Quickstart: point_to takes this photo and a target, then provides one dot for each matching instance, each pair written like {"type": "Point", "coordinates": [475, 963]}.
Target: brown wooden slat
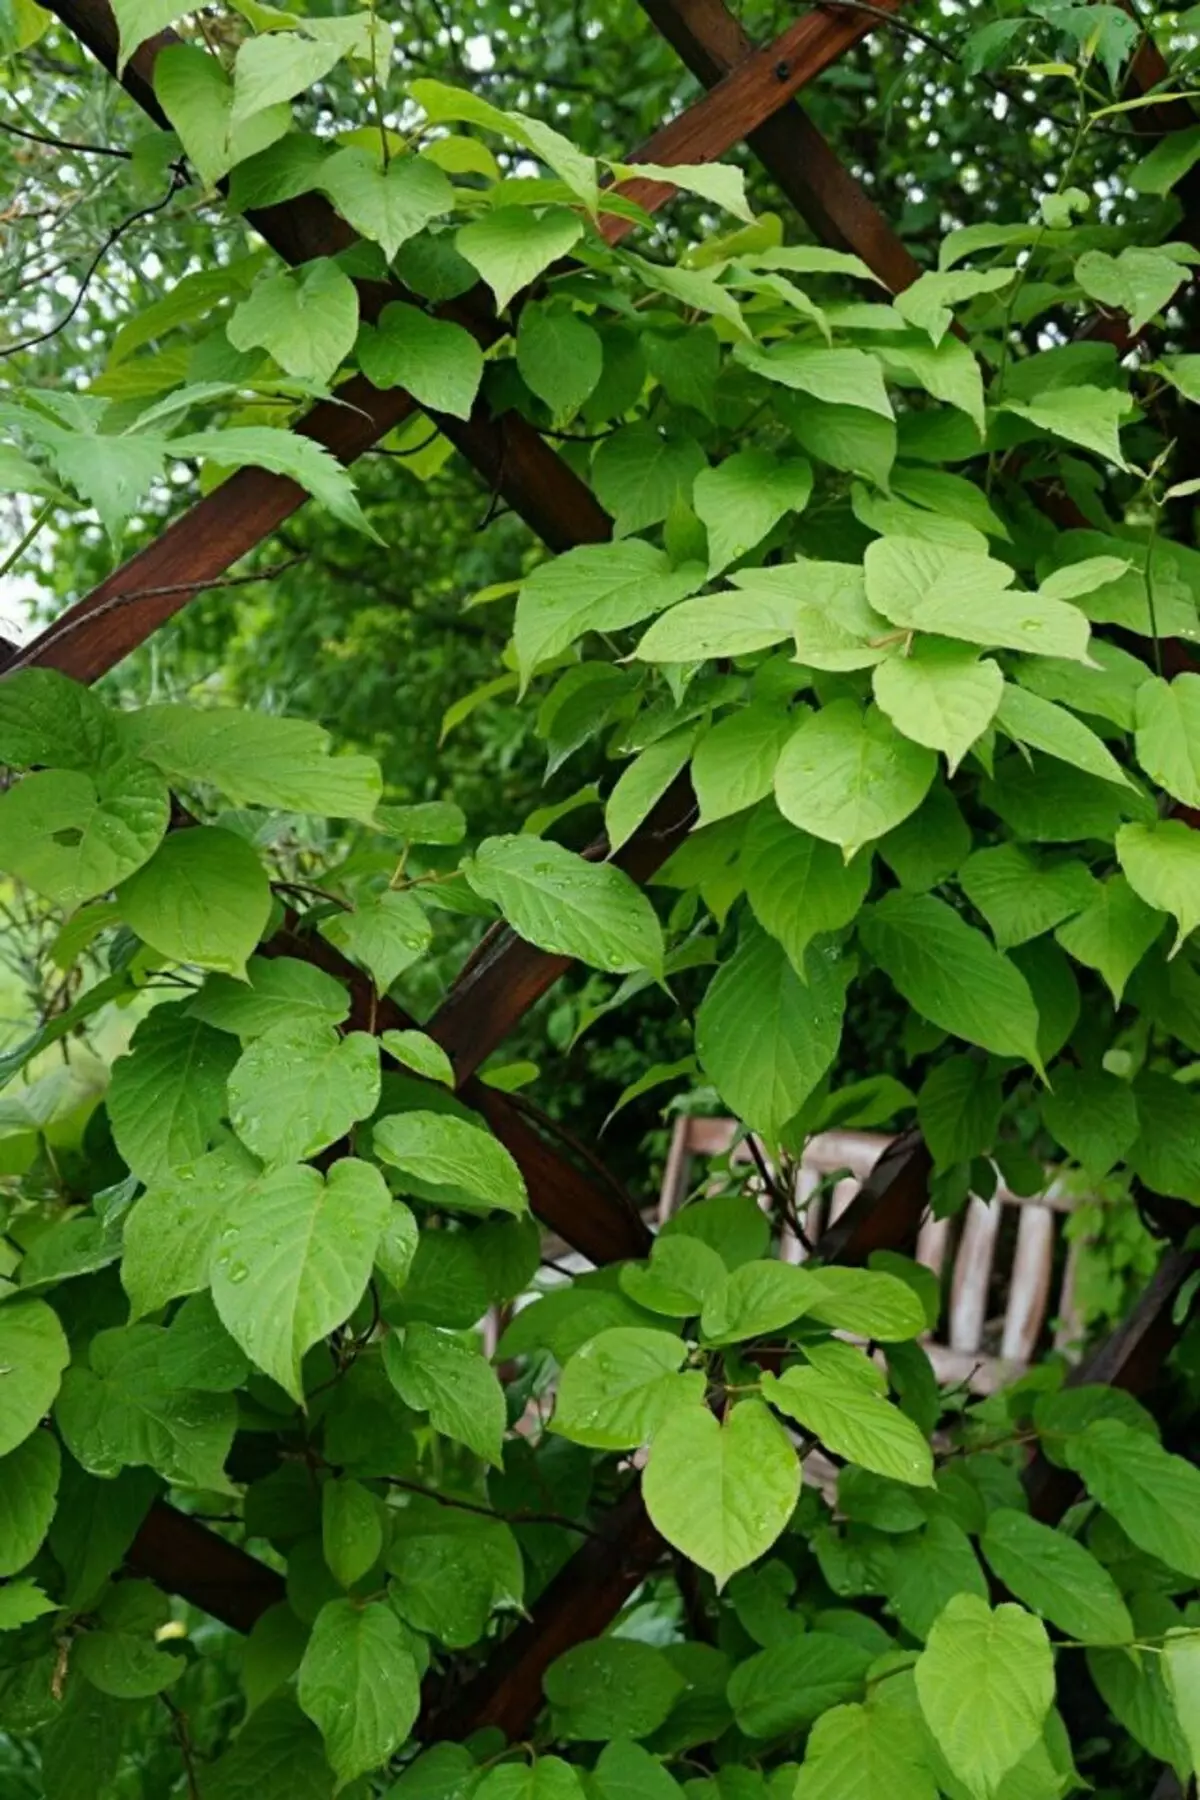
{"type": "Point", "coordinates": [186, 1558]}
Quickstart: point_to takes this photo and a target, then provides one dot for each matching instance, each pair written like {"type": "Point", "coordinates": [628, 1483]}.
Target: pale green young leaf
{"type": "Point", "coordinates": [798, 885]}
{"type": "Point", "coordinates": [385, 934]}
{"type": "Point", "coordinates": [138, 20]}
{"type": "Point", "coordinates": [510, 246]}
{"type": "Point", "coordinates": [436, 1373]}
{"type": "Point", "coordinates": [1162, 865]}
{"type": "Point", "coordinates": [170, 1233]}
{"type": "Point", "coordinates": [853, 1423]}
{"type": "Point", "coordinates": [450, 1162]}
{"type": "Point", "coordinates": [868, 1303]}
{"type": "Point", "coordinates": [1041, 725]}
{"type": "Point", "coordinates": [1092, 1114]}
{"type": "Point", "coordinates": [28, 1493]}
{"type": "Point", "coordinates": [1153, 1495]}
{"type": "Point", "coordinates": [302, 459]}
{"type": "Point", "coordinates": [294, 1259]}
{"type": "Point", "coordinates": [567, 905]}
{"type": "Point", "coordinates": [725, 624]}
{"type": "Point", "coordinates": [734, 763]}
{"type": "Point", "coordinates": [1112, 934]}
{"type": "Point", "coordinates": [924, 587]}
{"type": "Point", "coordinates": [560, 356]}
{"type": "Point", "coordinates": [573, 166]}
{"type": "Point", "coordinates": [72, 836]}
{"type": "Point", "coordinates": [1055, 1577]}
{"type": "Point", "coordinates": [1168, 735]}
{"type": "Point", "coordinates": [198, 97]}
{"type": "Point", "coordinates": [619, 1387]}
{"type": "Point", "coordinates": [359, 1684]}
{"type": "Point", "coordinates": [644, 781]}
{"type": "Point", "coordinates": [853, 1753]}
{"type": "Point", "coordinates": [417, 1051]}
{"type": "Point", "coordinates": [744, 497]}
{"type": "Point", "coordinates": [439, 363]}
{"type": "Point", "coordinates": [951, 975]}
{"type": "Point", "coordinates": [299, 1088]}
{"type": "Point", "coordinates": [1138, 281]}
{"type": "Point", "coordinates": [721, 1491]}
{"type": "Point", "coordinates": [597, 587]}
{"type": "Point", "coordinates": [948, 371]}
{"type": "Point", "coordinates": [759, 1297]}
{"type": "Point", "coordinates": [390, 205]}
{"type": "Point", "coordinates": [986, 1683]}
{"type": "Point", "coordinates": [695, 289]}
{"type": "Point", "coordinates": [306, 318]}
{"type": "Point", "coordinates": [939, 694]}
{"type": "Point", "coordinates": [839, 377]}
{"type": "Point", "coordinates": [766, 1031]}
{"type": "Point", "coordinates": [721, 183]}
{"type": "Point", "coordinates": [275, 66]}
{"type": "Point", "coordinates": [202, 898]}
{"type": "Point", "coordinates": [928, 304]}
{"type": "Point", "coordinates": [166, 1098]}
{"type": "Point", "coordinates": [1022, 896]}
{"type": "Point", "coordinates": [278, 990]}
{"type": "Point", "coordinates": [1088, 416]}
{"type": "Point", "coordinates": [848, 776]}
{"type": "Point", "coordinates": [683, 1275]}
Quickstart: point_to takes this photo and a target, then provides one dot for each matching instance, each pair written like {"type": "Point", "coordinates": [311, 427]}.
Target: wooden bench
{"type": "Point", "coordinates": [996, 1259]}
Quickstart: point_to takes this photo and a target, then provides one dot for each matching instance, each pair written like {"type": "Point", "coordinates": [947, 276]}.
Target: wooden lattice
{"type": "Point", "coordinates": [751, 95]}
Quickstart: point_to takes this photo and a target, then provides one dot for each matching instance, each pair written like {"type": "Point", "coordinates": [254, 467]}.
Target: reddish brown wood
{"type": "Point", "coordinates": [186, 1558]}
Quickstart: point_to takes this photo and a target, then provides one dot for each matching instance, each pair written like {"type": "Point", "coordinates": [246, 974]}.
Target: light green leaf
{"type": "Point", "coordinates": [1139, 281]}
{"type": "Point", "coordinates": [46, 718]}
{"type": "Point", "coordinates": [1162, 865]}
{"type": "Point", "coordinates": [853, 1423]}
{"type": "Point", "coordinates": [578, 170]}
{"type": "Point", "coordinates": [734, 763]}
{"type": "Point", "coordinates": [866, 1302]}
{"type": "Point", "coordinates": [1041, 725]}
{"type": "Point", "coordinates": [618, 1388]}
{"type": "Point", "coordinates": [72, 836]}
{"type": "Point", "coordinates": [759, 1297]}
{"type": "Point", "coordinates": [695, 289]}
{"type": "Point", "coordinates": [450, 1162]}
{"type": "Point", "coordinates": [847, 775]}
{"type": "Point", "coordinates": [197, 97]}
{"type": "Point", "coordinates": [302, 459]}
{"type": "Point", "coordinates": [34, 1352]}
{"type": "Point", "coordinates": [1055, 1577]}
{"type": "Point", "coordinates": [294, 1259]}
{"type": "Point", "coordinates": [844, 437]}
{"type": "Point", "coordinates": [766, 1033]}
{"type": "Point", "coordinates": [299, 1088]}
{"type": "Point", "coordinates": [683, 1275]}
{"type": "Point", "coordinates": [359, 1684]}
{"type": "Point", "coordinates": [125, 1665]}
{"type": "Point", "coordinates": [948, 371]}
{"type": "Point", "coordinates": [510, 246]}
{"type": "Point", "coordinates": [1020, 896]}
{"type": "Point", "coordinates": [786, 1687]}
{"type": "Point", "coordinates": [939, 695]}
{"type": "Point", "coordinates": [951, 974]}
{"type": "Point", "coordinates": [202, 898]}
{"type": "Point", "coordinates": [1088, 416]}
{"type": "Point", "coordinates": [384, 935]}
{"type": "Point", "coordinates": [417, 1051]}
{"type": "Point", "coordinates": [453, 1382]}
{"type": "Point", "coordinates": [171, 1230]}
{"type": "Point", "coordinates": [924, 587]}
{"type": "Point", "coordinates": [560, 356]}
{"type": "Point", "coordinates": [610, 1687]}
{"type": "Point", "coordinates": [567, 905]}
{"type": "Point", "coordinates": [138, 20]}
{"type": "Point", "coordinates": [986, 1683]}
{"type": "Point", "coordinates": [744, 497]}
{"type": "Point", "coordinates": [798, 885]}
{"type": "Point", "coordinates": [275, 66]}
{"type": "Point", "coordinates": [928, 304]}
{"type": "Point", "coordinates": [20, 1603]}
{"type": "Point", "coordinates": [597, 587]}
{"type": "Point", "coordinates": [857, 1753]}
{"type": "Point", "coordinates": [1113, 934]}
{"type": "Point", "coordinates": [641, 473]}
{"type": "Point", "coordinates": [721, 1492]}
{"type": "Point", "coordinates": [1168, 735]}
{"type": "Point", "coordinates": [1153, 1496]}
{"type": "Point", "coordinates": [726, 624]}
{"type": "Point", "coordinates": [390, 205]}
{"type": "Point", "coordinates": [644, 781]}
{"type": "Point", "coordinates": [1092, 1114]}
{"type": "Point", "coordinates": [278, 990]}
{"type": "Point", "coordinates": [1166, 163]}
{"type": "Point", "coordinates": [721, 183]}
{"type": "Point", "coordinates": [545, 1778]}
{"type": "Point", "coordinates": [306, 318]}
{"type": "Point", "coordinates": [28, 1493]}
{"type": "Point", "coordinates": [839, 377]}
{"type": "Point", "coordinates": [1181, 1672]}
{"type": "Point", "coordinates": [166, 1098]}
{"type": "Point", "coordinates": [439, 363]}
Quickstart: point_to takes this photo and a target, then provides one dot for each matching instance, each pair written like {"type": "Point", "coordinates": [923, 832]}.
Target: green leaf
{"type": "Point", "coordinates": [848, 776]}
{"type": "Point", "coordinates": [839, 377]}
{"type": "Point", "coordinates": [611, 1687]}
{"type": "Point", "coordinates": [1168, 162]}
{"type": "Point", "coordinates": [867, 1303]}
{"type": "Point", "coordinates": [171, 1230]}
{"type": "Point", "coordinates": [619, 1387]}
{"type": "Point", "coordinates": [1181, 1673]}
{"type": "Point", "coordinates": [124, 1409]}
{"type": "Point", "coordinates": [1166, 1152]}
{"type": "Point", "coordinates": [20, 1603]}
{"type": "Point", "coordinates": [1020, 896]}
{"type": "Point", "coordinates": [390, 205]}
{"type": "Point", "coordinates": [275, 66]}
{"type": "Point", "coordinates": [1092, 1114]}
{"type": "Point", "coordinates": [744, 497]}
{"type": "Point", "coordinates": [451, 1163]}
{"type": "Point", "coordinates": [278, 1751]}
{"type": "Point", "coordinates": [785, 1688]}
{"type": "Point", "coordinates": [1112, 934]}
{"type": "Point", "coordinates": [958, 1109]}
{"type": "Point", "coordinates": [721, 183]}
{"type": "Point", "coordinates": [510, 246]}
{"type": "Point", "coordinates": [683, 1275]}
{"type": "Point", "coordinates": [928, 303]}
{"type": "Point", "coordinates": [644, 781]}
{"type": "Point", "coordinates": [418, 1052]}
{"type": "Point", "coordinates": [624, 1771]}
{"type": "Point", "coordinates": [858, 1752]}
{"type": "Point", "coordinates": [925, 587]}
{"type": "Point", "coordinates": [138, 20]}
{"type": "Point", "coordinates": [306, 318]}
{"type": "Point", "coordinates": [72, 836]}
{"type": "Point", "coordinates": [45, 718]}
{"type": "Point", "coordinates": [759, 1297]}
{"type": "Point", "coordinates": [166, 1098]}
{"type": "Point", "coordinates": [28, 1493]}
{"type": "Point", "coordinates": [573, 167]}
{"type": "Point", "coordinates": [641, 473]}
{"type": "Point", "coordinates": [1139, 281]}
{"type": "Point", "coordinates": [384, 935]}
{"type": "Point", "coordinates": [1132, 1685]}
{"type": "Point", "coordinates": [766, 1032]}
{"type": "Point", "coordinates": [947, 370]}
{"type": "Point", "coordinates": [1055, 1577]}
{"type": "Point", "coordinates": [986, 1683]}
{"type": "Point", "coordinates": [798, 885]}
{"type": "Point", "coordinates": [721, 1492]}
{"type": "Point", "coordinates": [559, 355]}
{"type": "Point", "coordinates": [197, 97]}
{"type": "Point", "coordinates": [299, 1088]}
{"type": "Point", "coordinates": [359, 1684]}
{"type": "Point", "coordinates": [1153, 1496]}
{"type": "Point", "coordinates": [451, 1570]}
{"type": "Point", "coordinates": [33, 1350]}
{"type": "Point", "coordinates": [125, 1665]}
{"type": "Point", "coordinates": [1042, 725]}
{"type": "Point", "coordinates": [951, 975]}
{"type": "Point", "coordinates": [454, 1383]}
{"type": "Point", "coordinates": [302, 459]}
{"type": "Point", "coordinates": [734, 763]}
{"type": "Point", "coordinates": [546, 1778]}
{"type": "Point", "coordinates": [597, 587]}
{"type": "Point", "coordinates": [567, 905]}
{"type": "Point", "coordinates": [939, 695]}
{"type": "Point", "coordinates": [1162, 865]}
{"type": "Point", "coordinates": [844, 437]}
{"type": "Point", "coordinates": [1168, 735]}
{"type": "Point", "coordinates": [439, 363]}
{"type": "Point", "coordinates": [1088, 416]}
{"type": "Point", "coordinates": [294, 1259]}
{"type": "Point", "coordinates": [278, 990]}
{"type": "Point", "coordinates": [853, 1423]}
{"type": "Point", "coordinates": [726, 624]}
{"type": "Point", "coordinates": [202, 898]}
